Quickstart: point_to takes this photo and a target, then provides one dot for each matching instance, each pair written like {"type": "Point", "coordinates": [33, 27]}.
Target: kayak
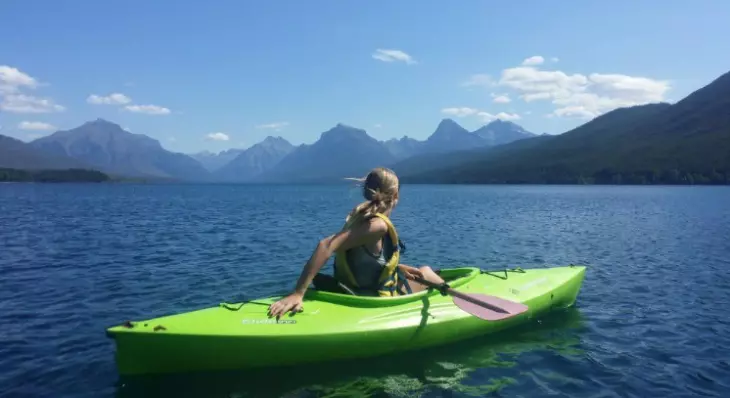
{"type": "Point", "coordinates": [337, 325]}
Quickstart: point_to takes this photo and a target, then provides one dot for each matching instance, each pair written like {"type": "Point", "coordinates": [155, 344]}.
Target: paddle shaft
{"type": "Point", "coordinates": [460, 295]}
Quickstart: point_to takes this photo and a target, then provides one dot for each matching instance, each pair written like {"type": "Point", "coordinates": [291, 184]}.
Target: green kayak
{"type": "Point", "coordinates": [336, 325]}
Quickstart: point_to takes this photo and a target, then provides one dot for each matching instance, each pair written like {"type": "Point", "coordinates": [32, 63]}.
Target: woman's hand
{"type": "Point", "coordinates": [343, 240]}
{"type": "Point", "coordinates": [292, 302]}
{"type": "Point", "coordinates": [411, 272]}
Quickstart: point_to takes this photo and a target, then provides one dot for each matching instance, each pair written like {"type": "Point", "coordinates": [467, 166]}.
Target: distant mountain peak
{"type": "Point", "coordinates": [108, 147]}
{"type": "Point", "coordinates": [250, 163]}
{"type": "Point", "coordinates": [275, 139]}
{"type": "Point", "coordinates": [447, 123]}
{"type": "Point", "coordinates": [500, 122]}
{"type": "Point", "coordinates": [404, 138]}
{"type": "Point", "coordinates": [341, 129]}
{"type": "Point", "coordinates": [448, 127]}
{"type": "Point", "coordinates": [346, 127]}
{"type": "Point", "coordinates": [499, 132]}
{"type": "Point", "coordinates": [102, 122]}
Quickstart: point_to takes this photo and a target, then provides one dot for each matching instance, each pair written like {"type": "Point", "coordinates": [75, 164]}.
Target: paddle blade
{"type": "Point", "coordinates": [489, 308]}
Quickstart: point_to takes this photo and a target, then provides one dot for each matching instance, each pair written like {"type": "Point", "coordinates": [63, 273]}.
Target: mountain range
{"type": "Point", "coordinates": [346, 151]}
{"type": "Point", "coordinates": [341, 151]}
{"type": "Point", "coordinates": [685, 142]}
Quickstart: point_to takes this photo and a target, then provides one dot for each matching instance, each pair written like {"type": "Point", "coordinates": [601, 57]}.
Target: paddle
{"type": "Point", "coordinates": [489, 308]}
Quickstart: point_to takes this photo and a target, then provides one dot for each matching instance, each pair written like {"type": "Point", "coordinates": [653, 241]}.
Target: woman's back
{"type": "Point", "coordinates": [366, 266]}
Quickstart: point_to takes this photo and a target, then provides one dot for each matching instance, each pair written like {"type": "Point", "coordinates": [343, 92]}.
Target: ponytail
{"type": "Point", "coordinates": [369, 208]}
{"type": "Point", "coordinates": [380, 188]}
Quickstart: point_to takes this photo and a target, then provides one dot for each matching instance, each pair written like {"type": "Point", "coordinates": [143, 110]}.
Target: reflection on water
{"type": "Point", "coordinates": [476, 367]}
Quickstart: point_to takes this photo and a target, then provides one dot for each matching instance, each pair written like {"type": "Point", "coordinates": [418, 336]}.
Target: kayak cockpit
{"type": "Point", "coordinates": [328, 289]}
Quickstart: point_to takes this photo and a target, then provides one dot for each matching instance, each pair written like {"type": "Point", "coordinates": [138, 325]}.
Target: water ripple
{"type": "Point", "coordinates": [651, 319]}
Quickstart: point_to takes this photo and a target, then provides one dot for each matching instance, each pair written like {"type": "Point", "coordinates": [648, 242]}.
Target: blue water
{"type": "Point", "coordinates": [651, 320]}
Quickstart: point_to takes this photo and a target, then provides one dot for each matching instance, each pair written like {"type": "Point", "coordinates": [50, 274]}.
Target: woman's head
{"type": "Point", "coordinates": [380, 188]}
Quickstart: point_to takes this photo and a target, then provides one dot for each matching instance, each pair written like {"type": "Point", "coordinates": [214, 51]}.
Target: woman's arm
{"type": "Point", "coordinates": [344, 240]}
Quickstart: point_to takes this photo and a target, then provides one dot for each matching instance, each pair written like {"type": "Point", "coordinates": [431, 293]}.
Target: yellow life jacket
{"type": "Point", "coordinates": [389, 277]}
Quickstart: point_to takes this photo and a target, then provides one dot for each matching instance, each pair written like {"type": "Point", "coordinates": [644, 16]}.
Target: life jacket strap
{"type": "Point", "coordinates": [402, 276]}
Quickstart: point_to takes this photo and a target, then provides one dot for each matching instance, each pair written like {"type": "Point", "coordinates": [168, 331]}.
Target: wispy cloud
{"type": "Point", "coordinates": [22, 103]}
{"type": "Point", "coordinates": [484, 116]}
{"type": "Point", "coordinates": [460, 112]}
{"type": "Point", "coordinates": [534, 60]}
{"type": "Point", "coordinates": [501, 98]}
{"type": "Point", "coordinates": [13, 99]}
{"type": "Point", "coordinates": [488, 117]}
{"type": "Point", "coordinates": [392, 55]}
{"type": "Point", "coordinates": [41, 126]}
{"type": "Point", "coordinates": [217, 137]}
{"type": "Point", "coordinates": [273, 126]}
{"type": "Point", "coordinates": [148, 109]}
{"type": "Point", "coordinates": [111, 99]}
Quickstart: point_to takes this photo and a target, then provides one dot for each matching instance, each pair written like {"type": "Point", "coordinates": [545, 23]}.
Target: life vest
{"type": "Point", "coordinates": [387, 284]}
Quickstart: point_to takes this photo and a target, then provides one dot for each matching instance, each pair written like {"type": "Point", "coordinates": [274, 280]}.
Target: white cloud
{"type": "Point", "coordinates": [574, 111]}
{"type": "Point", "coordinates": [501, 98]}
{"type": "Point", "coordinates": [22, 103]}
{"type": "Point", "coordinates": [535, 96]}
{"type": "Point", "coordinates": [488, 117]}
{"type": "Point", "coordinates": [148, 109]}
{"type": "Point", "coordinates": [555, 59]}
{"type": "Point", "coordinates": [629, 87]}
{"type": "Point", "coordinates": [460, 112]}
{"type": "Point", "coordinates": [484, 116]}
{"type": "Point", "coordinates": [273, 126]}
{"type": "Point", "coordinates": [11, 79]}
{"type": "Point", "coordinates": [393, 56]}
{"type": "Point", "coordinates": [13, 99]}
{"type": "Point", "coordinates": [218, 137]}
{"type": "Point", "coordinates": [36, 126]}
{"type": "Point", "coordinates": [530, 80]}
{"type": "Point", "coordinates": [534, 60]}
{"type": "Point", "coordinates": [378, 126]}
{"type": "Point", "coordinates": [581, 96]}
{"type": "Point", "coordinates": [111, 99]}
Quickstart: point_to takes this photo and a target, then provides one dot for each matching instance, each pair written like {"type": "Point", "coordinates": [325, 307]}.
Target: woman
{"type": "Point", "coordinates": [366, 250]}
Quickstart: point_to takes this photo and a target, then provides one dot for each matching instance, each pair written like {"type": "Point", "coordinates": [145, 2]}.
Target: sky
{"type": "Point", "coordinates": [213, 76]}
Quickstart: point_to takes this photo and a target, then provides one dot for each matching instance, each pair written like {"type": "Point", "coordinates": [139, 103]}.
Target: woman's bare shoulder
{"type": "Point", "coordinates": [372, 224]}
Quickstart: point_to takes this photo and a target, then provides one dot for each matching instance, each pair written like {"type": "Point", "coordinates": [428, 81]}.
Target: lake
{"type": "Point", "coordinates": [651, 319]}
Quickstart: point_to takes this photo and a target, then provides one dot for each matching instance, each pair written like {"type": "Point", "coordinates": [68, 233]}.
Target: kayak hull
{"type": "Point", "coordinates": [335, 326]}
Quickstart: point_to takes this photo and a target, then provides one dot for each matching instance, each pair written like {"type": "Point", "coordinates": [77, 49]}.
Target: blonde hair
{"type": "Point", "coordinates": [380, 189]}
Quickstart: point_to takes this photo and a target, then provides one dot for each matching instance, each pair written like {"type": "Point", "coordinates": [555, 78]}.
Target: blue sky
{"type": "Point", "coordinates": [192, 74]}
